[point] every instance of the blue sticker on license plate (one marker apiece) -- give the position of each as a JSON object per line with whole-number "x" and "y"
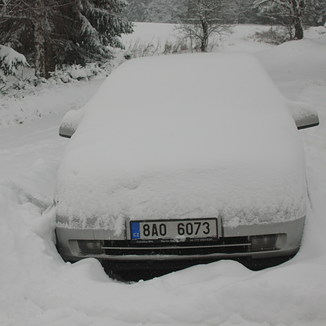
{"x": 135, "y": 230}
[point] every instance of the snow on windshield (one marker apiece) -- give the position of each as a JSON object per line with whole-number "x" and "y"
{"x": 185, "y": 136}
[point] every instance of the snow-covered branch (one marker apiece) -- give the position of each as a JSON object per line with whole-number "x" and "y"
{"x": 286, "y": 12}
{"x": 10, "y": 60}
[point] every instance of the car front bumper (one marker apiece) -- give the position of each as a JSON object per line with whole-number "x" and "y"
{"x": 252, "y": 241}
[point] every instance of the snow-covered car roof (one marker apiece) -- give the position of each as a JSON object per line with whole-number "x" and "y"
{"x": 184, "y": 136}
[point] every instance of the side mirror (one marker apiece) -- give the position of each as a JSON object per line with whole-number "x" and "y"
{"x": 70, "y": 123}
{"x": 303, "y": 115}
{"x": 307, "y": 121}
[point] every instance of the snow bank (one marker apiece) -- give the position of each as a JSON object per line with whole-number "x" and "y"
{"x": 185, "y": 136}
{"x": 289, "y": 64}
{"x": 45, "y": 101}
{"x": 241, "y": 39}
{"x": 38, "y": 288}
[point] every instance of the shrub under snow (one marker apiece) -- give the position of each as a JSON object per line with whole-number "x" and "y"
{"x": 10, "y": 60}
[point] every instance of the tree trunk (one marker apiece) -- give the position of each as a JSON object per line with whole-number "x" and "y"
{"x": 39, "y": 38}
{"x": 39, "y": 50}
{"x": 298, "y": 35}
{"x": 49, "y": 59}
{"x": 298, "y": 7}
{"x": 204, "y": 40}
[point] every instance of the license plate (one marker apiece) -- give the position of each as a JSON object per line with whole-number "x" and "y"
{"x": 174, "y": 229}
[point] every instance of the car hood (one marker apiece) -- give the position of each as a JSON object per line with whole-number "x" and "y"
{"x": 200, "y": 136}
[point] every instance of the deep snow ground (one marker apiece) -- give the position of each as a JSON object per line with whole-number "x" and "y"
{"x": 38, "y": 288}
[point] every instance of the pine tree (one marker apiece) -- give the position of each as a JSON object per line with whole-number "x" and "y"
{"x": 98, "y": 25}
{"x": 21, "y": 22}
{"x": 54, "y": 32}
{"x": 160, "y": 11}
{"x": 166, "y": 11}
{"x": 315, "y": 12}
{"x": 137, "y": 10}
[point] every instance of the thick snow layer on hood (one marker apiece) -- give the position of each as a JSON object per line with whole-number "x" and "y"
{"x": 183, "y": 137}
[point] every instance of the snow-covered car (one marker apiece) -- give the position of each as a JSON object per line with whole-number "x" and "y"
{"x": 182, "y": 159}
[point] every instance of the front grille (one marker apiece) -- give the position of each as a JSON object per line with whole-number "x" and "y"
{"x": 225, "y": 245}
{"x": 194, "y": 247}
